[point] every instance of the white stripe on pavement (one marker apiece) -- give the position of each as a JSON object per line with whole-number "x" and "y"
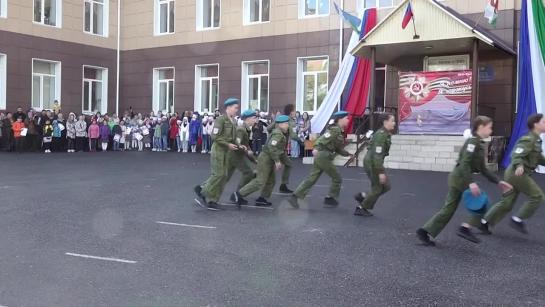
{"x": 248, "y": 206}
{"x": 186, "y": 225}
{"x": 101, "y": 258}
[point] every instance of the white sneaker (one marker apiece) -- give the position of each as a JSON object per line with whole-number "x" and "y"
{"x": 178, "y": 150}
{"x": 154, "y": 149}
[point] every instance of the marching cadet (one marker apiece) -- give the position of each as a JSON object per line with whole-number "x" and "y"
{"x": 289, "y": 110}
{"x": 326, "y": 147}
{"x": 240, "y": 159}
{"x": 268, "y": 161}
{"x": 526, "y": 156}
{"x": 471, "y": 160}
{"x": 224, "y": 137}
{"x": 373, "y": 164}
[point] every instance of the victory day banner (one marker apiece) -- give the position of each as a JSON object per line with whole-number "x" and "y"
{"x": 436, "y": 102}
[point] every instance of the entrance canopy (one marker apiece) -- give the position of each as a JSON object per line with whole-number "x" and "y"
{"x": 440, "y": 31}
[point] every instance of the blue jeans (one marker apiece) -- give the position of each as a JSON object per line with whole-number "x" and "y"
{"x": 157, "y": 142}
{"x": 164, "y": 138}
{"x": 116, "y": 146}
{"x": 178, "y": 143}
{"x": 206, "y": 142}
{"x": 294, "y": 149}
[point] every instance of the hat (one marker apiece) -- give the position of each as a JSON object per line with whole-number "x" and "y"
{"x": 248, "y": 113}
{"x": 475, "y": 205}
{"x": 282, "y": 119}
{"x": 230, "y": 101}
{"x": 340, "y": 114}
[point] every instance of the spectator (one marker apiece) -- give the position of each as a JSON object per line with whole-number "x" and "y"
{"x": 173, "y": 132}
{"x": 184, "y": 134}
{"x": 137, "y": 136}
{"x": 20, "y": 114}
{"x": 164, "y": 133}
{"x": 128, "y": 133}
{"x": 209, "y": 130}
{"x": 116, "y": 133}
{"x": 81, "y": 133}
{"x": 194, "y": 128}
{"x": 17, "y": 128}
{"x": 7, "y": 133}
{"x": 122, "y": 140}
{"x": 294, "y": 144}
{"x": 204, "y": 135}
{"x": 47, "y": 136}
{"x": 71, "y": 132}
{"x": 62, "y": 125}
{"x": 104, "y": 135}
{"x": 56, "y": 142}
{"x": 157, "y": 137}
{"x": 145, "y": 128}
{"x": 33, "y": 135}
{"x": 56, "y": 107}
{"x": 94, "y": 134}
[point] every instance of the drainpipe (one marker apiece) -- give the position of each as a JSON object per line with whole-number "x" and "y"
{"x": 118, "y": 56}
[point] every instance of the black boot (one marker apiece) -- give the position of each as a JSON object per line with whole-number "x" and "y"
{"x": 362, "y": 212}
{"x": 238, "y": 199}
{"x": 293, "y": 201}
{"x": 330, "y": 201}
{"x": 213, "y": 206}
{"x": 518, "y": 226}
{"x": 262, "y": 202}
{"x": 424, "y": 236}
{"x": 284, "y": 189}
{"x": 466, "y": 233}
{"x": 483, "y": 228}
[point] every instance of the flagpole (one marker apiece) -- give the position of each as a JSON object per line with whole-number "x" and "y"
{"x": 341, "y": 34}
{"x": 416, "y": 36}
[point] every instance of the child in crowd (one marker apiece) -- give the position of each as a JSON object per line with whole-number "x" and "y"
{"x": 137, "y": 135}
{"x": 17, "y": 128}
{"x": 128, "y": 139}
{"x": 122, "y": 142}
{"x": 209, "y": 131}
{"x": 135, "y": 132}
{"x": 204, "y": 134}
{"x": 47, "y": 133}
{"x": 81, "y": 133}
{"x": 173, "y": 133}
{"x": 104, "y": 135}
{"x": 157, "y": 137}
{"x": 184, "y": 134}
{"x": 94, "y": 134}
{"x": 71, "y": 132}
{"x": 145, "y": 128}
{"x": 164, "y": 133}
{"x": 194, "y": 128}
{"x": 56, "y": 141}
{"x": 116, "y": 132}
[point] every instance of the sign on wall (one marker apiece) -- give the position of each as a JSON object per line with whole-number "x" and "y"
{"x": 435, "y": 102}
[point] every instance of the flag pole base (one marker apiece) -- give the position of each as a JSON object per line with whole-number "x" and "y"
{"x": 416, "y": 36}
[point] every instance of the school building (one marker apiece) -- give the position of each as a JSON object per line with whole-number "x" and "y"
{"x": 177, "y": 55}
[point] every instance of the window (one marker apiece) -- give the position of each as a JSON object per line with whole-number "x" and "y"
{"x": 312, "y": 82}
{"x": 163, "y": 90}
{"x": 48, "y": 12}
{"x": 164, "y": 16}
{"x": 3, "y": 81}
{"x": 208, "y": 14}
{"x": 46, "y": 83}
{"x": 4, "y": 8}
{"x": 206, "y": 87}
{"x": 95, "y": 90}
{"x": 256, "y": 11}
{"x": 313, "y": 8}
{"x": 96, "y": 17}
{"x": 255, "y": 85}
{"x": 381, "y": 4}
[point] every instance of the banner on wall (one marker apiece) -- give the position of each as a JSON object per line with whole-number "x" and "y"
{"x": 437, "y": 102}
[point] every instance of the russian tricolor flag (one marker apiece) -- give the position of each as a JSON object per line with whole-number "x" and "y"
{"x": 408, "y": 16}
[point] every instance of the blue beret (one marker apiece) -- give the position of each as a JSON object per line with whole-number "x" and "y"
{"x": 340, "y": 114}
{"x": 248, "y": 113}
{"x": 230, "y": 101}
{"x": 282, "y": 119}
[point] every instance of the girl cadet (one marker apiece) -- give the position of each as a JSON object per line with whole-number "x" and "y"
{"x": 378, "y": 149}
{"x": 327, "y": 146}
{"x": 526, "y": 156}
{"x": 268, "y": 161}
{"x": 224, "y": 138}
{"x": 471, "y": 160}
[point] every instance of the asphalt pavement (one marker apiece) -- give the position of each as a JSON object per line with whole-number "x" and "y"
{"x": 121, "y": 229}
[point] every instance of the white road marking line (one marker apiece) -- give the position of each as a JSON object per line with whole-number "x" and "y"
{"x": 101, "y": 258}
{"x": 248, "y": 206}
{"x": 186, "y": 225}
{"x": 352, "y": 179}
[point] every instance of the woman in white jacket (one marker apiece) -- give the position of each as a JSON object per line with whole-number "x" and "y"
{"x": 183, "y": 134}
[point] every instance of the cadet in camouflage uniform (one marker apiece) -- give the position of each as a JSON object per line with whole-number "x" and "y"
{"x": 238, "y": 159}
{"x": 470, "y": 160}
{"x": 326, "y": 147}
{"x": 527, "y": 155}
{"x": 224, "y": 137}
{"x": 373, "y": 164}
{"x": 268, "y": 161}
{"x": 289, "y": 110}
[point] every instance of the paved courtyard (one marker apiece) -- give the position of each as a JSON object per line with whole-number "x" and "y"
{"x": 121, "y": 229}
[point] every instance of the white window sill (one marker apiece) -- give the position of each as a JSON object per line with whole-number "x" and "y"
{"x": 94, "y": 34}
{"x": 252, "y": 23}
{"x": 313, "y": 16}
{"x": 207, "y": 29}
{"x": 163, "y": 34}
{"x": 46, "y": 25}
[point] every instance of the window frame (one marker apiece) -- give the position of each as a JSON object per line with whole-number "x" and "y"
{"x": 246, "y": 13}
{"x": 3, "y": 8}
{"x": 104, "y": 81}
{"x": 300, "y": 82}
{"x": 245, "y": 77}
{"x": 197, "y": 88}
{"x": 58, "y": 83}
{"x": 301, "y": 9}
{"x": 3, "y": 80}
{"x": 200, "y": 17}
{"x": 105, "y": 18}
{"x": 360, "y": 6}
{"x": 157, "y": 17}
{"x": 58, "y": 20}
{"x": 156, "y": 92}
